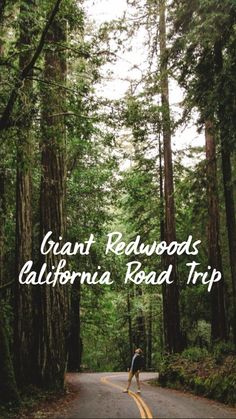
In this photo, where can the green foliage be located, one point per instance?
(199, 371)
(200, 29)
(222, 349)
(194, 354)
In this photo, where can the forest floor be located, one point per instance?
(99, 395)
(38, 404)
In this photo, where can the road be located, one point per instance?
(100, 396)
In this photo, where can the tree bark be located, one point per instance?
(225, 137)
(53, 302)
(2, 166)
(139, 327)
(218, 321)
(171, 313)
(140, 332)
(162, 238)
(8, 389)
(231, 222)
(130, 325)
(75, 347)
(149, 337)
(23, 331)
(2, 221)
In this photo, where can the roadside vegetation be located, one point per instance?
(206, 373)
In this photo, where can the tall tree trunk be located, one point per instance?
(2, 221)
(2, 165)
(149, 337)
(163, 330)
(140, 332)
(8, 389)
(227, 180)
(139, 328)
(218, 321)
(231, 222)
(129, 325)
(171, 313)
(23, 331)
(75, 346)
(53, 301)
(161, 183)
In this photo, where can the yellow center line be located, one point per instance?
(104, 380)
(145, 406)
(142, 406)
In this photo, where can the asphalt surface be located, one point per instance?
(100, 396)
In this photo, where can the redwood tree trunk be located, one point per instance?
(218, 321)
(139, 327)
(163, 330)
(225, 137)
(231, 222)
(149, 336)
(131, 349)
(2, 221)
(23, 333)
(2, 165)
(8, 389)
(75, 344)
(53, 302)
(171, 309)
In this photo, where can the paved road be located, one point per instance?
(100, 396)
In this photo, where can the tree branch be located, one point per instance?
(5, 120)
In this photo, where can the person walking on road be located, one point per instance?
(136, 365)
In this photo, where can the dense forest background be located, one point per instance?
(75, 161)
